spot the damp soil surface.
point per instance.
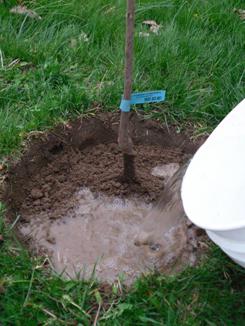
(75, 205)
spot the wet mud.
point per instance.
(75, 206)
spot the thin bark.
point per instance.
(125, 141)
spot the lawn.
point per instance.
(70, 63)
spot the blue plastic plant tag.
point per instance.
(125, 105)
(148, 97)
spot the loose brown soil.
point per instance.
(85, 153)
(54, 167)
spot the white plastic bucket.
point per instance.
(213, 188)
(231, 242)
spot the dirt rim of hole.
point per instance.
(84, 153)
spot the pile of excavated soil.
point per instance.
(73, 203)
(98, 167)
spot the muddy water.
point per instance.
(99, 230)
(100, 233)
(165, 171)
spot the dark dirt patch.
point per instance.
(76, 206)
(85, 153)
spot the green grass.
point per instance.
(198, 59)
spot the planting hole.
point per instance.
(74, 208)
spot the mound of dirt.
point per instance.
(44, 186)
(85, 153)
